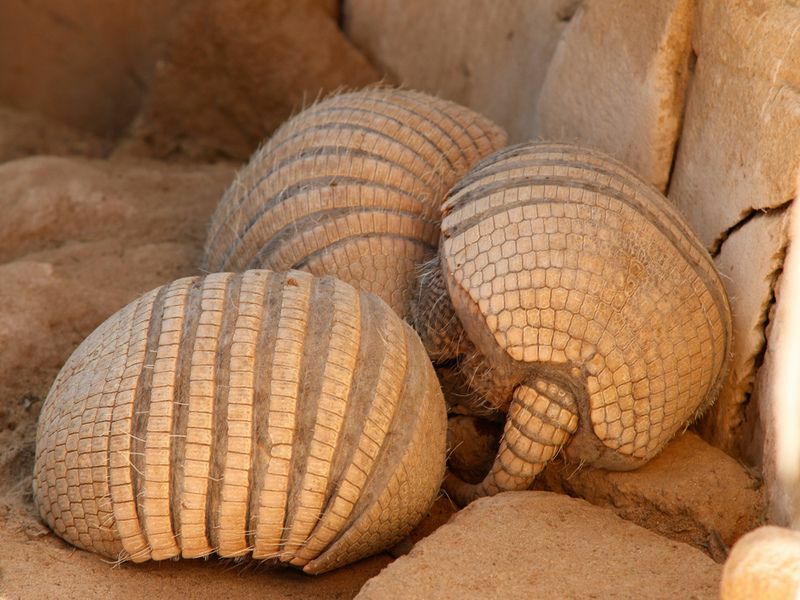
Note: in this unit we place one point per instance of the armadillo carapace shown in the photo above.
(590, 311)
(351, 187)
(278, 416)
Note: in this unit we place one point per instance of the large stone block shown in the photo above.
(691, 492)
(488, 55)
(734, 178)
(737, 152)
(750, 261)
(777, 390)
(617, 82)
(543, 545)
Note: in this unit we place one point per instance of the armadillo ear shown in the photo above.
(542, 417)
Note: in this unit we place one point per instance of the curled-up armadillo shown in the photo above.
(278, 416)
(351, 187)
(576, 299)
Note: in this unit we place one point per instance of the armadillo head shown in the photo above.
(561, 263)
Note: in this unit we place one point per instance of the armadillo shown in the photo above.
(273, 416)
(351, 187)
(576, 299)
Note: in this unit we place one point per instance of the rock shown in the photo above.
(764, 564)
(23, 134)
(489, 56)
(617, 82)
(776, 392)
(742, 115)
(540, 545)
(750, 261)
(234, 70)
(62, 205)
(691, 492)
(82, 63)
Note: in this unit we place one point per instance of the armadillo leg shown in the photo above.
(433, 316)
(541, 419)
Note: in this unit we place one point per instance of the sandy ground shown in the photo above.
(37, 564)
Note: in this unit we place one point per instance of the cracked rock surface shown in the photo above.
(750, 261)
(741, 115)
(775, 390)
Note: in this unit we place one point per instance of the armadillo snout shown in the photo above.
(278, 416)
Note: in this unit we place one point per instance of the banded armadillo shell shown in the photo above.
(351, 187)
(278, 416)
(562, 262)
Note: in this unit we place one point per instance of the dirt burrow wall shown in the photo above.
(174, 78)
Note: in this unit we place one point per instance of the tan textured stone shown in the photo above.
(736, 159)
(765, 564)
(48, 568)
(617, 82)
(82, 62)
(542, 545)
(749, 261)
(778, 388)
(490, 56)
(737, 151)
(234, 70)
(691, 492)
